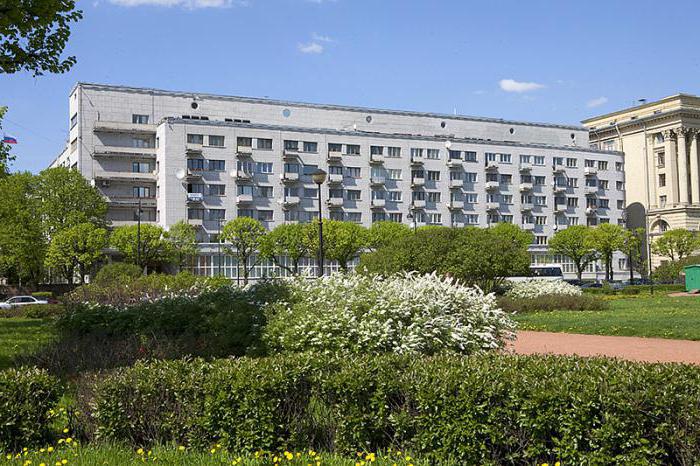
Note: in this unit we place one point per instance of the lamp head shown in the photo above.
(319, 177)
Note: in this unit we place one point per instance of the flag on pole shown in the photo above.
(7, 139)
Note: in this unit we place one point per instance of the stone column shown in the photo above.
(651, 173)
(694, 167)
(683, 194)
(671, 165)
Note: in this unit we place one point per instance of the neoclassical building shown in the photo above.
(662, 165)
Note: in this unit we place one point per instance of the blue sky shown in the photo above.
(550, 61)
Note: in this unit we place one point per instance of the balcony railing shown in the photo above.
(335, 178)
(123, 127)
(378, 203)
(119, 151)
(457, 183)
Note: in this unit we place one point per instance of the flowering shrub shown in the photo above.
(538, 287)
(409, 313)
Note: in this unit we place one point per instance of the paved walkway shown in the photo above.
(630, 348)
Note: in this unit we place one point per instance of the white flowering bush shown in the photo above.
(537, 287)
(405, 314)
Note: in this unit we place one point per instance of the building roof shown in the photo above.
(322, 106)
(682, 98)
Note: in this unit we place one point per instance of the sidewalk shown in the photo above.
(630, 348)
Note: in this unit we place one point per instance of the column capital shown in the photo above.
(682, 131)
(668, 134)
(691, 132)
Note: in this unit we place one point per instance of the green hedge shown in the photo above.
(635, 290)
(34, 311)
(26, 397)
(492, 409)
(546, 303)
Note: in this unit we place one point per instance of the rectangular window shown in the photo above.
(506, 179)
(434, 219)
(571, 162)
(335, 193)
(418, 195)
(355, 217)
(310, 146)
(471, 219)
(195, 164)
(141, 191)
(541, 240)
(507, 199)
(74, 145)
(265, 215)
(73, 120)
(217, 189)
(572, 182)
(244, 142)
(662, 201)
(139, 119)
(394, 173)
(618, 166)
(353, 194)
(395, 217)
(539, 181)
(376, 150)
(263, 167)
(490, 156)
(620, 185)
(195, 214)
(433, 175)
(309, 169)
(572, 220)
(196, 188)
(524, 158)
(216, 141)
(291, 191)
(505, 158)
(471, 198)
(433, 196)
(603, 184)
(393, 152)
(140, 167)
(507, 218)
(433, 154)
(538, 160)
(335, 147)
(245, 190)
(217, 214)
(604, 203)
(335, 170)
(352, 149)
(195, 139)
(469, 156)
(265, 191)
(620, 204)
(216, 165)
(394, 196)
(142, 142)
(353, 172)
(572, 202)
(291, 168)
(602, 165)
(291, 145)
(311, 193)
(250, 213)
(470, 177)
(264, 144)
(540, 200)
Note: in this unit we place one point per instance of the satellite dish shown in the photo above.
(354, 126)
(180, 174)
(233, 173)
(448, 144)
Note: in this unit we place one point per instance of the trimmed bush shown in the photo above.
(409, 313)
(487, 409)
(552, 303)
(117, 273)
(636, 289)
(34, 311)
(537, 287)
(27, 396)
(42, 294)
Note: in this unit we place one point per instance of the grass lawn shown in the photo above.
(661, 316)
(19, 335)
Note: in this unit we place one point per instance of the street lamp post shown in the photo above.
(219, 238)
(412, 217)
(319, 177)
(138, 234)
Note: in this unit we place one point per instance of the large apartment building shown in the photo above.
(662, 164)
(209, 158)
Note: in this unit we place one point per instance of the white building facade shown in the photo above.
(207, 159)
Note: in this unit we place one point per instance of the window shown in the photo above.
(244, 142)
(139, 119)
(217, 189)
(454, 155)
(335, 193)
(376, 194)
(662, 201)
(660, 160)
(309, 169)
(469, 177)
(540, 200)
(602, 165)
(74, 145)
(142, 142)
(506, 179)
(539, 181)
(264, 144)
(493, 197)
(195, 164)
(604, 203)
(311, 193)
(141, 191)
(245, 190)
(619, 166)
(541, 240)
(394, 173)
(507, 218)
(433, 154)
(524, 158)
(492, 177)
(376, 150)
(433, 175)
(433, 196)
(416, 153)
(490, 156)
(417, 174)
(620, 204)
(572, 202)
(393, 152)
(216, 141)
(471, 219)
(434, 219)
(353, 194)
(572, 220)
(335, 170)
(469, 156)
(217, 214)
(265, 191)
(265, 215)
(195, 139)
(353, 172)
(538, 160)
(418, 195)
(195, 214)
(291, 145)
(505, 158)
(355, 217)
(73, 120)
(310, 146)
(589, 163)
(394, 196)
(250, 213)
(591, 203)
(572, 182)
(471, 198)
(352, 149)
(196, 188)
(603, 184)
(507, 199)
(620, 185)
(526, 198)
(557, 161)
(216, 165)
(526, 178)
(394, 217)
(263, 167)
(571, 162)
(378, 217)
(140, 167)
(454, 175)
(592, 183)
(291, 168)
(334, 147)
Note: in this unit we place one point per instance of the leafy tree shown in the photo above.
(632, 244)
(34, 34)
(5, 156)
(155, 248)
(383, 233)
(67, 199)
(183, 237)
(573, 243)
(676, 244)
(606, 239)
(244, 235)
(22, 243)
(342, 241)
(78, 247)
(286, 240)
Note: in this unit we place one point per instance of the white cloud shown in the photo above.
(311, 47)
(597, 102)
(511, 85)
(321, 38)
(189, 4)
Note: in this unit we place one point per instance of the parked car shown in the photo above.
(21, 301)
(591, 285)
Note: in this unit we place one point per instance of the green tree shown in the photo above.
(155, 248)
(34, 33)
(183, 237)
(5, 155)
(22, 243)
(67, 199)
(573, 243)
(676, 244)
(606, 239)
(244, 234)
(342, 241)
(286, 240)
(632, 245)
(383, 233)
(76, 248)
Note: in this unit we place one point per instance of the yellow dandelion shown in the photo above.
(64, 461)
(65, 431)
(181, 448)
(50, 449)
(139, 451)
